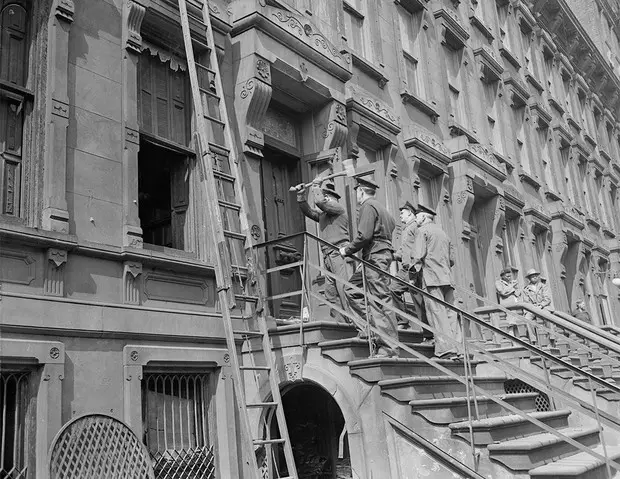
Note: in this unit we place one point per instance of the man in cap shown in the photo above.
(536, 293)
(374, 238)
(507, 288)
(433, 258)
(333, 228)
(403, 254)
(581, 312)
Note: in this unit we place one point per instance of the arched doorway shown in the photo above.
(318, 435)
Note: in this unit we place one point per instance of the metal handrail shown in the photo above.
(586, 408)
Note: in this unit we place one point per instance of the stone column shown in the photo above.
(55, 213)
(133, 14)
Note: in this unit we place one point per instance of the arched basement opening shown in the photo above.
(318, 435)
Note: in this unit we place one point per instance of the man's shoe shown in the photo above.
(404, 326)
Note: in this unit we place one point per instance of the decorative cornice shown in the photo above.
(376, 110)
(541, 115)
(477, 155)
(490, 68)
(430, 144)
(519, 91)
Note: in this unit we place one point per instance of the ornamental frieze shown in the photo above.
(375, 106)
(425, 140)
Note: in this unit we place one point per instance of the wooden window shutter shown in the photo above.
(163, 100)
(13, 46)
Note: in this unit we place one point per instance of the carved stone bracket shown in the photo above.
(133, 21)
(60, 108)
(65, 9)
(331, 126)
(132, 282)
(462, 203)
(54, 282)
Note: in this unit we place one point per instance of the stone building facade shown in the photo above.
(500, 114)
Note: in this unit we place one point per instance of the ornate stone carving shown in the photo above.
(54, 282)
(132, 275)
(132, 136)
(60, 108)
(247, 88)
(293, 367)
(341, 114)
(54, 352)
(65, 9)
(278, 126)
(135, 15)
(263, 70)
(374, 106)
(57, 256)
(255, 232)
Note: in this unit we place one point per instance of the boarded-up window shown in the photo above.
(13, 100)
(163, 105)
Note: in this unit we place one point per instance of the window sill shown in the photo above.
(555, 104)
(529, 179)
(532, 80)
(14, 91)
(369, 68)
(457, 129)
(590, 139)
(509, 56)
(552, 195)
(592, 221)
(420, 103)
(608, 231)
(573, 123)
(605, 154)
(482, 27)
(505, 160)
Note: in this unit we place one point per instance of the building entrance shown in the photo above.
(282, 217)
(318, 436)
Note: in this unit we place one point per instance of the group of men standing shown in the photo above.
(426, 255)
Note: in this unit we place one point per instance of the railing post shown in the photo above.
(303, 270)
(469, 386)
(371, 347)
(600, 427)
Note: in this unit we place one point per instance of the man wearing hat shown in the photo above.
(374, 238)
(536, 293)
(433, 258)
(333, 228)
(507, 288)
(403, 254)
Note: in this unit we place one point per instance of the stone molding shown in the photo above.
(54, 281)
(134, 14)
(65, 9)
(132, 282)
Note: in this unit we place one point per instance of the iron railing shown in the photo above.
(475, 330)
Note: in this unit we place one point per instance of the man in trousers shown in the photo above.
(374, 238)
(433, 258)
(333, 228)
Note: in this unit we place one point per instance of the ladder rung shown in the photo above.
(234, 234)
(262, 404)
(203, 67)
(215, 120)
(224, 176)
(284, 295)
(228, 204)
(255, 368)
(255, 334)
(260, 442)
(206, 91)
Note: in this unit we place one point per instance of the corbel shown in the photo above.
(65, 9)
(54, 282)
(132, 282)
(134, 12)
(331, 126)
(463, 200)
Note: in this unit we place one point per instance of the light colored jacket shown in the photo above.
(407, 239)
(508, 292)
(537, 294)
(433, 254)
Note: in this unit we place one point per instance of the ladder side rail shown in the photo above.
(217, 236)
(244, 225)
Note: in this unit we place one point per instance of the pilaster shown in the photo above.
(133, 14)
(559, 250)
(55, 214)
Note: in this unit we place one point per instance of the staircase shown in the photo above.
(416, 412)
(435, 406)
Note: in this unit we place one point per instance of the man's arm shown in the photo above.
(546, 296)
(419, 251)
(322, 203)
(302, 200)
(503, 290)
(365, 230)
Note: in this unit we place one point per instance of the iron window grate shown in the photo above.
(516, 386)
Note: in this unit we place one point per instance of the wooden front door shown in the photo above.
(282, 217)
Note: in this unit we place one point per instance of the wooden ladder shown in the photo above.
(228, 230)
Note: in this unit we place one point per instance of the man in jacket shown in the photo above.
(374, 238)
(536, 293)
(507, 288)
(403, 254)
(432, 258)
(333, 228)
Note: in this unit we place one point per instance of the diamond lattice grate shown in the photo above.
(185, 464)
(98, 447)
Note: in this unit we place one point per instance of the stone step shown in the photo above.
(578, 466)
(373, 370)
(526, 453)
(448, 410)
(503, 428)
(429, 387)
(351, 349)
(510, 352)
(314, 332)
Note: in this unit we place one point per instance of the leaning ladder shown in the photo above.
(208, 93)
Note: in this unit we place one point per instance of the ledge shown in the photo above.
(542, 115)
(532, 80)
(456, 129)
(491, 68)
(419, 103)
(529, 179)
(571, 216)
(520, 94)
(36, 237)
(478, 155)
(592, 221)
(430, 144)
(552, 195)
(509, 56)
(374, 110)
(455, 35)
(482, 27)
(603, 152)
(369, 68)
(556, 105)
(589, 138)
(412, 6)
(538, 214)
(572, 122)
(608, 231)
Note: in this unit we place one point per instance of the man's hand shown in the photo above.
(398, 257)
(343, 252)
(300, 188)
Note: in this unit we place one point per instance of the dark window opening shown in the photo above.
(14, 398)
(162, 194)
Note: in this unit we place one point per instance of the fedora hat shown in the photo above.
(531, 272)
(329, 188)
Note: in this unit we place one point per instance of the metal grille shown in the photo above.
(175, 414)
(516, 386)
(14, 398)
(98, 447)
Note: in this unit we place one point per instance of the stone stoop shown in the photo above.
(373, 370)
(436, 387)
(578, 466)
